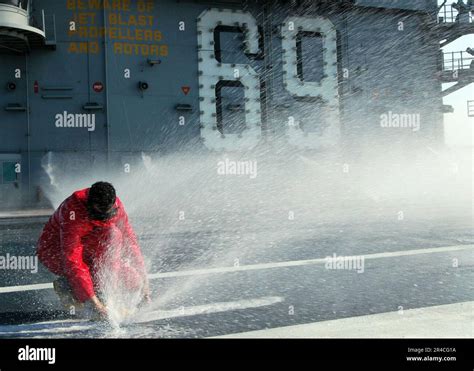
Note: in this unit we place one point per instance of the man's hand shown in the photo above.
(146, 298)
(99, 307)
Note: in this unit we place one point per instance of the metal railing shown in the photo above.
(453, 61)
(454, 13)
(470, 108)
(23, 4)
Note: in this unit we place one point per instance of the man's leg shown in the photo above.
(66, 297)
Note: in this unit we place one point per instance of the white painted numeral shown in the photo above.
(212, 71)
(326, 89)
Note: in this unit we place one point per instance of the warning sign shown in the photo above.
(98, 87)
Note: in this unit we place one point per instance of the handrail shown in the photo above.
(457, 60)
(447, 13)
(17, 3)
(470, 108)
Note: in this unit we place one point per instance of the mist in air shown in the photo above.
(193, 211)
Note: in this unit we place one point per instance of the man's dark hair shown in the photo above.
(100, 200)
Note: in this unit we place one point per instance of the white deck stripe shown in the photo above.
(208, 308)
(59, 327)
(441, 321)
(262, 266)
(296, 263)
(37, 286)
(25, 213)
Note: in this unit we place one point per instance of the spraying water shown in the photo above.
(222, 210)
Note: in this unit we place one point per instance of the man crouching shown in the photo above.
(87, 235)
